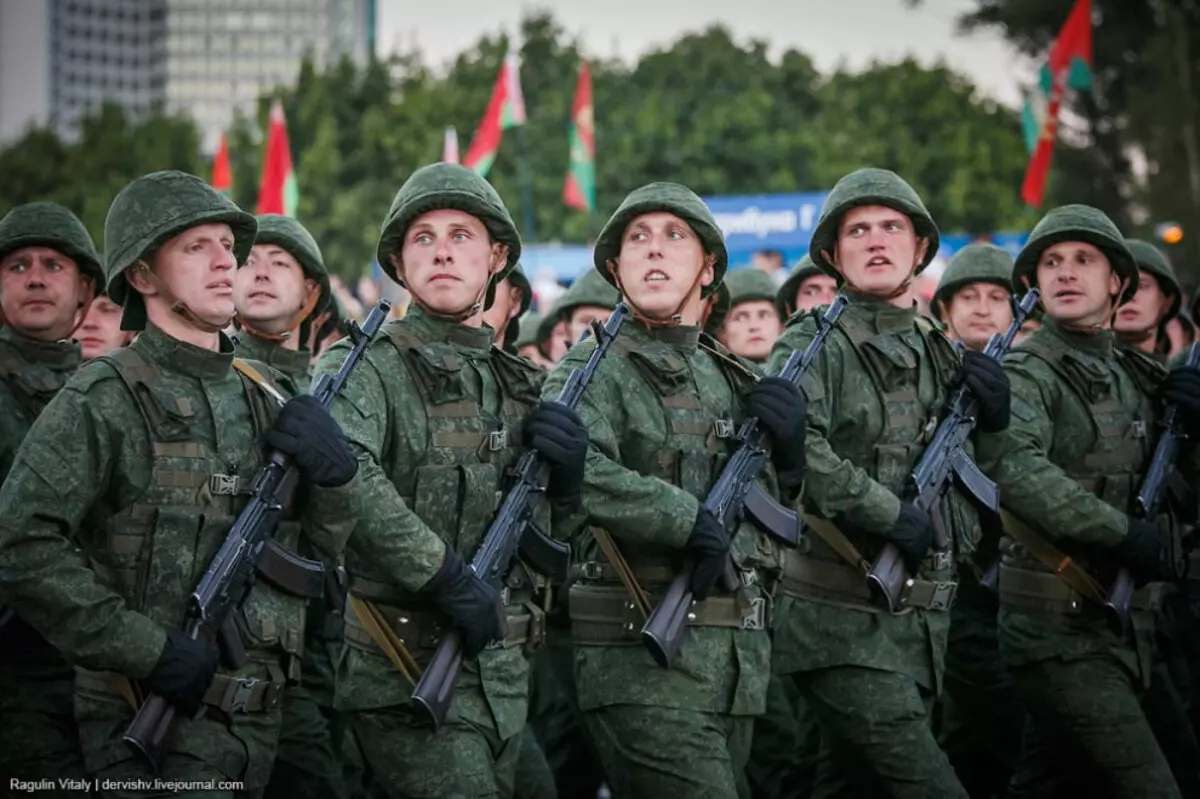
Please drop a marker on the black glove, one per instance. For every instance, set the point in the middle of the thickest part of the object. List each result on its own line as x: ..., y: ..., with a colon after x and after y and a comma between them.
x: 708, y: 545
x: 306, y: 431
x: 988, y: 383
x: 912, y: 534
x: 780, y: 407
x: 183, y: 672
x: 558, y: 433
x: 1182, y: 388
x: 1140, y: 551
x: 473, y: 606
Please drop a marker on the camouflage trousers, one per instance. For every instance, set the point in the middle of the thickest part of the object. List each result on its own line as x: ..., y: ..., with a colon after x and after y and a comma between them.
x: 1168, y: 699
x: 1086, y: 734
x: 407, y: 760
x: 787, y: 740
x: 979, y: 716
x: 661, y: 752
x: 557, y: 721
x: 876, y: 738
x: 533, y: 779
x: 38, y: 736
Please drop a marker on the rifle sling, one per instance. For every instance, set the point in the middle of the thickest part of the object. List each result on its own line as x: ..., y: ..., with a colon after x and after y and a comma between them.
x: 621, y: 566
x: 257, y: 379
x: 377, y: 627
x: 1062, y: 564
x: 836, y: 540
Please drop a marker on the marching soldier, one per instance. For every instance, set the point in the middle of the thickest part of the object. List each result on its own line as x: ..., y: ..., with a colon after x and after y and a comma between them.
x: 128, y: 484
x: 656, y: 411
x: 1141, y: 323
x: 752, y: 323
x: 528, y: 344
x: 805, y: 288
x: 435, y: 413
x: 974, y: 295
x: 49, y: 272
x: 513, y: 297
x: 1068, y: 466
x: 882, y: 378
x: 101, y: 330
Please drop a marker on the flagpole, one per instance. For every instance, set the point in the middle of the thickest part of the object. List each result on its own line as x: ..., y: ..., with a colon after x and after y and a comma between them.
x: 526, y: 178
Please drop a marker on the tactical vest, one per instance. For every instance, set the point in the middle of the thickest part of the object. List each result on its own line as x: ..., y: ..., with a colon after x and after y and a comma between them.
x: 155, y: 551
x: 1123, y: 444
x: 33, y: 385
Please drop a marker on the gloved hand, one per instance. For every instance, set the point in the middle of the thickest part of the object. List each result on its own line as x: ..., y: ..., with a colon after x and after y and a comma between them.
x: 987, y: 382
x: 1140, y: 551
x: 1182, y: 388
x: 305, y: 431
x: 708, y: 544
x: 912, y: 534
x: 780, y: 407
x: 183, y: 672
x: 558, y: 433
x: 473, y: 606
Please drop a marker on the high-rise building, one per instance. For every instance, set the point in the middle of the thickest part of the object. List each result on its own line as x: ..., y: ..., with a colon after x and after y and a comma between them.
x: 61, y: 58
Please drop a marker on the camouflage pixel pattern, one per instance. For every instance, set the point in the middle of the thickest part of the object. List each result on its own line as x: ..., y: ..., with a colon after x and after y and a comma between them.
x: 749, y: 284
x: 296, y: 364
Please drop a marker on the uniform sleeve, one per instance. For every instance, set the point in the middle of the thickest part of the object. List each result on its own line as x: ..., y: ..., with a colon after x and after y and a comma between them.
x: 1031, y: 487
x: 369, y: 509
x: 836, y: 487
x: 631, y: 506
x: 62, y: 470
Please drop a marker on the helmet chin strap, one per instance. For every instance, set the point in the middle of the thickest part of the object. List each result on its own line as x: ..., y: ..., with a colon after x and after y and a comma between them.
x: 457, y: 317
x: 675, y: 318
x: 179, y: 307
x: 310, y: 302
x: 1105, y: 324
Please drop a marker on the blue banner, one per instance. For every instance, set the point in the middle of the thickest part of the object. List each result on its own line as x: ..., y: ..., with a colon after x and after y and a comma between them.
x: 767, y: 221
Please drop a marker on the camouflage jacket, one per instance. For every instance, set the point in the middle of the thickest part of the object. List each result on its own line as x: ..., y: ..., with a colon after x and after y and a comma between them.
x: 434, y: 413
x: 296, y: 364
x: 1051, y: 449
x: 862, y: 445
x: 31, y: 373
x: 634, y: 446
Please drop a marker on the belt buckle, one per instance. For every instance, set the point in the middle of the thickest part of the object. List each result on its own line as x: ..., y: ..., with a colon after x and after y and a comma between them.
x: 943, y: 594
x: 224, y: 485
x: 237, y: 695
x: 591, y: 570
x: 497, y: 440
x: 941, y: 560
x: 749, y: 577
x: 723, y: 428
x: 756, y: 619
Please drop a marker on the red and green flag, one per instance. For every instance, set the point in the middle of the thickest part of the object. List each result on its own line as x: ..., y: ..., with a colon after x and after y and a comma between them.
x: 222, y: 173
x: 1068, y: 67
x: 277, y: 189
x: 505, y: 110
x: 580, y: 188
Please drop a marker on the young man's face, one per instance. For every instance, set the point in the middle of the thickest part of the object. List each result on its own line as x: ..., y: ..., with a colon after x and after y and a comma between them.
x: 663, y: 268
x: 877, y: 249
x: 751, y: 328
x: 976, y: 311
x: 40, y: 292
x: 1077, y: 282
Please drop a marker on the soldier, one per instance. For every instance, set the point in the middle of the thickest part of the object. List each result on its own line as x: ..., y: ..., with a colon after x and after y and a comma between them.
x: 435, y: 413
x: 806, y: 287
x: 128, y: 483
x: 1141, y: 322
x: 881, y: 379
x: 513, y: 297
x: 528, y: 345
x: 280, y: 289
x: 979, y: 718
x: 752, y: 324
x: 101, y: 330
x: 48, y: 273
x: 1067, y: 469
x: 656, y: 411
x: 589, y: 299
x: 330, y: 330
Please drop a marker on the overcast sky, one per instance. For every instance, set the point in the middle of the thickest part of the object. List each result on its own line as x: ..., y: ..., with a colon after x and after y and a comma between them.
x: 831, y: 32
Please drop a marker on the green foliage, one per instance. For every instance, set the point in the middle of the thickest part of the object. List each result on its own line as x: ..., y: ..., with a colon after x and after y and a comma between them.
x: 717, y: 114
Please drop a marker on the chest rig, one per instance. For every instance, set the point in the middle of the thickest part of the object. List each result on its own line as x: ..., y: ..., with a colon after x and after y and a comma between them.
x: 33, y: 385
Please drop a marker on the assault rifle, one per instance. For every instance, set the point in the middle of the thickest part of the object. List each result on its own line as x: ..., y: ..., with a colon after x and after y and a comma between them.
x: 1149, y: 501
x: 512, y: 530
x: 727, y: 499
x: 249, y: 550
x: 943, y: 460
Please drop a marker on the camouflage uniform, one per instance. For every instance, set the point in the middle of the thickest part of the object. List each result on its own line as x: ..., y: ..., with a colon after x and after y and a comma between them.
x: 124, y: 489
x: 434, y: 412
x: 1067, y: 468
x: 654, y: 412
x: 38, y: 738
x: 870, y: 677
x: 979, y: 718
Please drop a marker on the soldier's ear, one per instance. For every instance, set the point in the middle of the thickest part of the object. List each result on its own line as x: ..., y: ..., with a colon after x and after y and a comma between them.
x: 139, y: 277
x: 922, y: 248
x: 499, y: 257
x: 708, y: 271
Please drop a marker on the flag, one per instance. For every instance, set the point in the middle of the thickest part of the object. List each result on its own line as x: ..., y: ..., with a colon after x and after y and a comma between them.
x: 277, y: 189
x: 450, y: 145
x: 580, y: 188
x: 222, y: 174
x: 505, y: 110
x: 1068, y: 67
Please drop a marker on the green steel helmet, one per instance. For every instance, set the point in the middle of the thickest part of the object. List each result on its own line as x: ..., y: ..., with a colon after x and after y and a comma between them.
x: 549, y: 320
x: 337, y: 313
x: 51, y: 225
x: 672, y: 198
x: 294, y: 238
x: 517, y: 279
x: 785, y: 298
x: 722, y: 302
x: 590, y: 288
x: 154, y: 209
x: 445, y: 186
x: 527, y: 334
x: 980, y: 262
x: 749, y: 284
x: 870, y: 186
x: 1077, y: 223
x: 1153, y: 260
